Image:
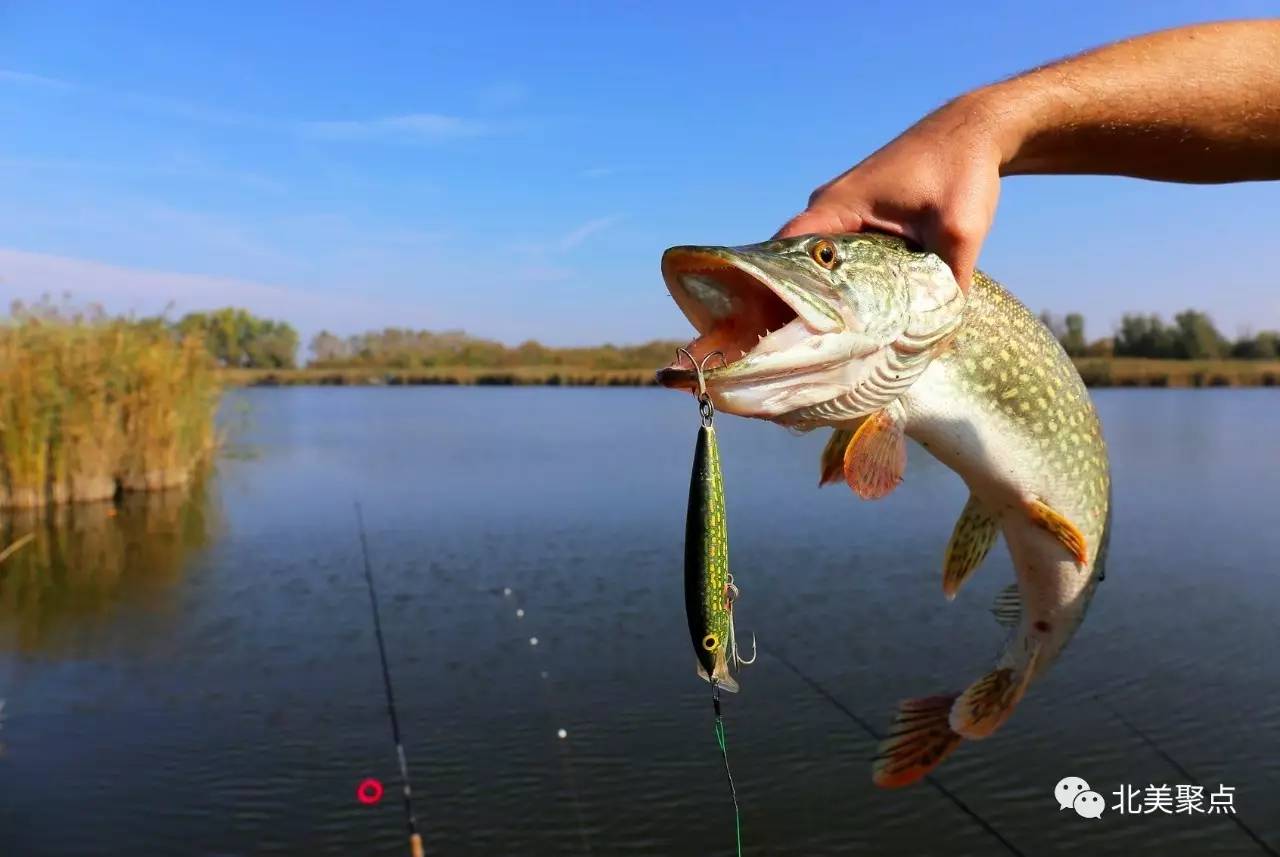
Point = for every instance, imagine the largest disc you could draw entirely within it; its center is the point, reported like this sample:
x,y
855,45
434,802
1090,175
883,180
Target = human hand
x,y
937,185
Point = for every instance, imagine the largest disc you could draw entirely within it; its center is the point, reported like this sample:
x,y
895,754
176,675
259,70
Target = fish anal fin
x,y
987,703
918,741
1007,608
1060,527
876,457
833,456
971,541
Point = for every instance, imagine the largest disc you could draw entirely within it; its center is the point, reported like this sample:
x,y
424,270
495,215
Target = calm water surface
x,y
201,678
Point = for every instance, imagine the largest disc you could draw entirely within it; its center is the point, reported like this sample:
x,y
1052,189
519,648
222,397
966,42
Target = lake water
x,y
201,678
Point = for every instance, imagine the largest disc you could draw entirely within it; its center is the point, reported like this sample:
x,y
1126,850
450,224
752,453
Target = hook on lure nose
x,y
704,400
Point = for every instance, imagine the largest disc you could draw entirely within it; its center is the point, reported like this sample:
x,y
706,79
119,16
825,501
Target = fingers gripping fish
x,y
865,335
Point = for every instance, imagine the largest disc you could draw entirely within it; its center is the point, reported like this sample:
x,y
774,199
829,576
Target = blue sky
x,y
516,170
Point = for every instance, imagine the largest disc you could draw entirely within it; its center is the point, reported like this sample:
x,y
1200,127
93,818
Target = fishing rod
x,y
870,730
415,840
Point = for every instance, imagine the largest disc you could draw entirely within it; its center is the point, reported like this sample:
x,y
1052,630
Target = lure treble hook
x,y
704,399
737,659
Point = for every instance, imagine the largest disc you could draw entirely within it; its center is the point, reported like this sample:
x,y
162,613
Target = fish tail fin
x,y
920,738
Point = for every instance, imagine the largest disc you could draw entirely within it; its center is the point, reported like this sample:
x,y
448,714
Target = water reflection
x,y
85,563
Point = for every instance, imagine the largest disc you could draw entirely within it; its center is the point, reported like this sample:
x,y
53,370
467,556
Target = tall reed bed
x,y
92,405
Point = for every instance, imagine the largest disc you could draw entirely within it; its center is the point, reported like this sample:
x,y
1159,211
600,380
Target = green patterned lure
x,y
709,591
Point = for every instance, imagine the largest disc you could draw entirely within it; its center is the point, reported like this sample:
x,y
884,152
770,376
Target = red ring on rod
x,y
369,792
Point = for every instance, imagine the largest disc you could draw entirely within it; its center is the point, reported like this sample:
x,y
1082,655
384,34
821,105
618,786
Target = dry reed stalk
x,y
92,406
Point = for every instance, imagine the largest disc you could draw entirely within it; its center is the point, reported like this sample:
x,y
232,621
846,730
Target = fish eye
x,y
709,642
824,253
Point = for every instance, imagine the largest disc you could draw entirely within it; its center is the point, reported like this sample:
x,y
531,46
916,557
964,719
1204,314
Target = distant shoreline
x,y
1096,372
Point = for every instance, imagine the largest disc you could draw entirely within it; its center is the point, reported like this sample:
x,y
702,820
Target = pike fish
x,y
876,340
709,591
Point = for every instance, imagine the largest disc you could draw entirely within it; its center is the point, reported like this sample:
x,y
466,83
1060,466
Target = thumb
x,y
958,251
819,220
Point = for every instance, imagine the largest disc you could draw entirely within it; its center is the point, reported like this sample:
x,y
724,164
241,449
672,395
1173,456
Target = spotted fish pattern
x,y
1006,363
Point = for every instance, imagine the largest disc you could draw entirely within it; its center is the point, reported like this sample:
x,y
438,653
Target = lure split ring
x,y
705,408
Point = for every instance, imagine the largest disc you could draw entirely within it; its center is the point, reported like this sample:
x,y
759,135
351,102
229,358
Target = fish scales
x,y
1006,363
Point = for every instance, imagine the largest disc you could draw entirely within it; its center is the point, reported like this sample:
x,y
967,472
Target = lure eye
x,y
709,642
824,253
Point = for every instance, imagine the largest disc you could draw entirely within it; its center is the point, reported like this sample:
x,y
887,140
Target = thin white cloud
x,y
409,127
23,78
346,307
177,166
25,276
417,127
575,237
191,111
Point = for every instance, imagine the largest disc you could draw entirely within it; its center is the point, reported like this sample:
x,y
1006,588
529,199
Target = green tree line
x,y
1191,336
400,348
238,339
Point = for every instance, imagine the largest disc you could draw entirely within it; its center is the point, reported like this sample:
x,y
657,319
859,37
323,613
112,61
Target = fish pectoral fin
x,y
971,541
987,703
1007,608
1060,527
920,738
876,457
833,456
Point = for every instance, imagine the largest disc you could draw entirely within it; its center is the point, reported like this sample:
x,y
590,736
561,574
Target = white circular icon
x,y
1089,805
1066,791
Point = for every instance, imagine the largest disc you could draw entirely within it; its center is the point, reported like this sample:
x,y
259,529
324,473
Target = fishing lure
x,y
709,591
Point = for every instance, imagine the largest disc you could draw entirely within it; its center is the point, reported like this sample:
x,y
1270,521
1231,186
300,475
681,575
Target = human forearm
x,y
1198,104
1195,104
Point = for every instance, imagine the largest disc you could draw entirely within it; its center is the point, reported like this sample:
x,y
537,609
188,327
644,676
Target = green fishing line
x,y
724,754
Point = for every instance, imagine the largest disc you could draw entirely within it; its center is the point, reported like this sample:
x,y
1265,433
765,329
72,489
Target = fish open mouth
x,y
734,309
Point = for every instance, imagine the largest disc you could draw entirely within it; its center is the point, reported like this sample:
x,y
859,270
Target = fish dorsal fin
x,y
876,457
1060,527
1007,608
971,541
833,456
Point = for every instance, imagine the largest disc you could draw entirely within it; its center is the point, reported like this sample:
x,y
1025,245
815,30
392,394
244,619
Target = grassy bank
x,y
91,406
1096,371
537,376
1146,372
